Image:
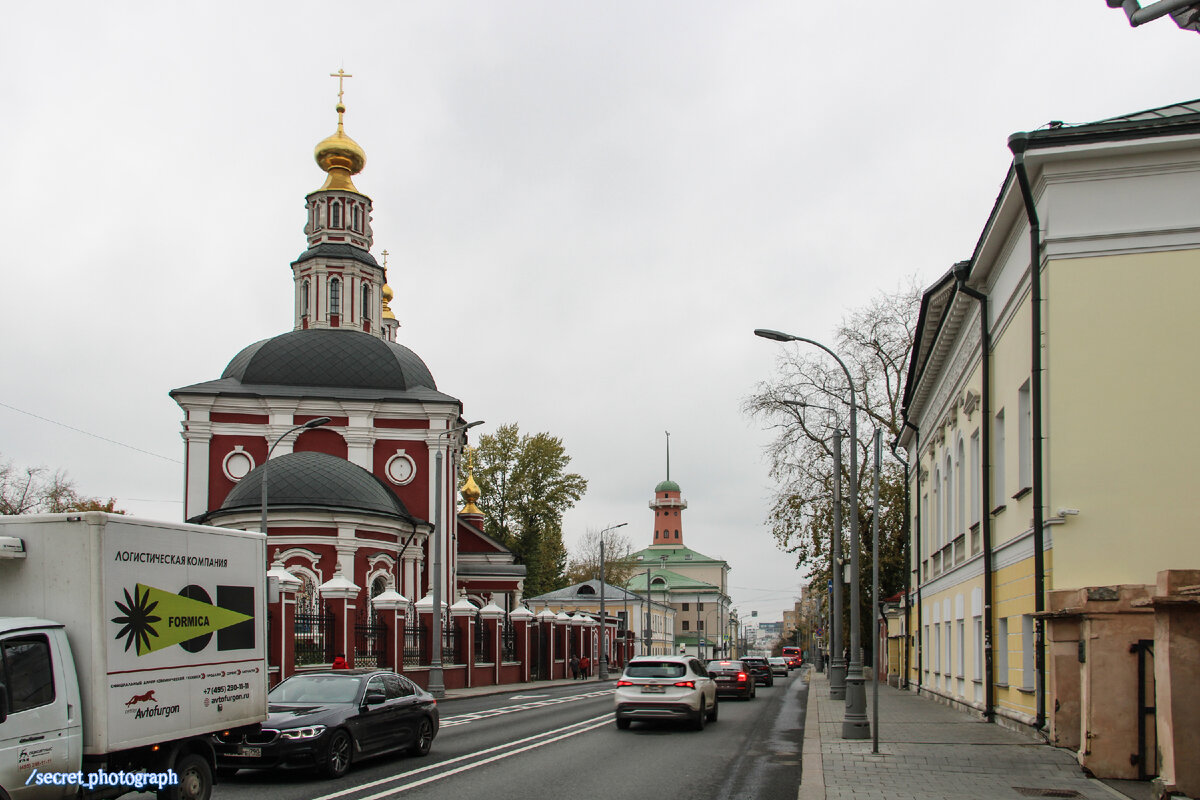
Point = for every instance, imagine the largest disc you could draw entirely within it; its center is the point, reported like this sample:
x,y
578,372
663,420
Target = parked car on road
x,y
779,665
665,688
732,678
327,720
758,666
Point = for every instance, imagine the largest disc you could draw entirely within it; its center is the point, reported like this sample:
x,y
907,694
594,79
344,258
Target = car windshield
x,y
655,669
316,689
724,665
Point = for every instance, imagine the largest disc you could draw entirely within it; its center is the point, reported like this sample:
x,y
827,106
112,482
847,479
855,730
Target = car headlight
x,y
311,732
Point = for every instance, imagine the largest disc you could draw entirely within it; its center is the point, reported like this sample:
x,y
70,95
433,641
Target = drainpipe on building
x,y
961,271
1017,143
907,535
917,538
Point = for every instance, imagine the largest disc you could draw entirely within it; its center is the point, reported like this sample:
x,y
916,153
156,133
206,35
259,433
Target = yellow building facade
x,y
1034,472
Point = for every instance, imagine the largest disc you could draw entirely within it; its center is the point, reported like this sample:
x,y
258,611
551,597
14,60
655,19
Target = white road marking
x,y
527,696
463,719
559,733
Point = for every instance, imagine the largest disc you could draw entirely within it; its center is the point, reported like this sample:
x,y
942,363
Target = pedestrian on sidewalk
x,y
574,667
585,665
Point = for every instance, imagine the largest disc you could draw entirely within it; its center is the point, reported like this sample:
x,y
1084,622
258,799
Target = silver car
x,y
665,688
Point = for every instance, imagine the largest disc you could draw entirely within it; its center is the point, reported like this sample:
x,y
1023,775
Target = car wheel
x,y
337,754
712,713
701,717
424,739
195,780
622,724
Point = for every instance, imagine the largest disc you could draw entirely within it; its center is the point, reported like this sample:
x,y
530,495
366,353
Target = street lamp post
x,y
262,525
855,724
437,684
602,672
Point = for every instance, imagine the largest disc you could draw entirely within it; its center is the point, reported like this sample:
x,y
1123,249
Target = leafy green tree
x,y
524,491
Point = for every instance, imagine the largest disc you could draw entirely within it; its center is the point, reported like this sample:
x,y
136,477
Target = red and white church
x,y
351,504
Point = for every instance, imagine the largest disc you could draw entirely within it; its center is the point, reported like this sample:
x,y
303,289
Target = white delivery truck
x,y
124,644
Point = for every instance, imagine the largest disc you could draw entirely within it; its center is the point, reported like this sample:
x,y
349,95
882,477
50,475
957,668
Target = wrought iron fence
x,y
452,643
313,637
508,641
369,638
414,644
483,641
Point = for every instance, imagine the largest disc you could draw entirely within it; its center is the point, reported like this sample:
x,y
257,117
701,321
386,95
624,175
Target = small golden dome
x,y
387,295
470,493
340,156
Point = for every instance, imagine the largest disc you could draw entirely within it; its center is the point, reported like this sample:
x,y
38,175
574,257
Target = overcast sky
x,y
588,208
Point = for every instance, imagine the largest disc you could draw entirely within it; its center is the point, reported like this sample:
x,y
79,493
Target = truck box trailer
x,y
124,644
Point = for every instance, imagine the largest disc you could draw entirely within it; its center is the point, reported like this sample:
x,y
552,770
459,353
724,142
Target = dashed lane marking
x,y
463,719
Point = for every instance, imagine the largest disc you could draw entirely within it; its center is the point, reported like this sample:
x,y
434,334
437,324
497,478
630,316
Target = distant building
x,y
696,586
629,608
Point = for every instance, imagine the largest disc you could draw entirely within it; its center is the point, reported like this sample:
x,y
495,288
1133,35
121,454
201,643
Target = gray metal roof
x,y
586,591
325,363
337,251
307,479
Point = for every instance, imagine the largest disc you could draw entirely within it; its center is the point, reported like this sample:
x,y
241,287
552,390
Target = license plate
x,y
724,680
653,689
249,752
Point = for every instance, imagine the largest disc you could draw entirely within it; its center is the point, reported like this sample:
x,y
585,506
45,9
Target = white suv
x,y
666,687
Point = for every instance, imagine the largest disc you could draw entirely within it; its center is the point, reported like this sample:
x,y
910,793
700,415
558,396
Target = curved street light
x,y
262,525
602,671
854,724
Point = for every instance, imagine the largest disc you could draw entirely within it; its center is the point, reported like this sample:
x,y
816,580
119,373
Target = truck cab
x,y
40,726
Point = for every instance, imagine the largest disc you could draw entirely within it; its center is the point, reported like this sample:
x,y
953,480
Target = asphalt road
x,y
562,743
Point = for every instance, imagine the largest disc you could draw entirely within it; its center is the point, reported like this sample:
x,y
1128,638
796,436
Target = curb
x,y
812,773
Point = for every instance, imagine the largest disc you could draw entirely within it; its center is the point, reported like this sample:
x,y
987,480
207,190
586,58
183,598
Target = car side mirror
x,y
374,698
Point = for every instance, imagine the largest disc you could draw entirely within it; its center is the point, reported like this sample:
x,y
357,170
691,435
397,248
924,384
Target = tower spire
x,y
668,455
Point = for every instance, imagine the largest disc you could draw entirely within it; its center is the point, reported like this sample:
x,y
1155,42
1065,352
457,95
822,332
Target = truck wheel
x,y
337,755
195,780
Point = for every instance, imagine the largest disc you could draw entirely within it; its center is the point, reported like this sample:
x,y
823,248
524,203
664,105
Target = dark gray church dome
x,y
310,479
325,357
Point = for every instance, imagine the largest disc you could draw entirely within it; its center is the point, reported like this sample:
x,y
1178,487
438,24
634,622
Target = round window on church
x,y
400,469
237,464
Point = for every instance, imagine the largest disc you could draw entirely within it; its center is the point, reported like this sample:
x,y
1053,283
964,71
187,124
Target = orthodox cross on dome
x,y
385,255
341,75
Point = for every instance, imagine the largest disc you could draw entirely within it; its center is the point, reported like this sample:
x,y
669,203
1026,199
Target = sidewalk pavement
x,y
929,751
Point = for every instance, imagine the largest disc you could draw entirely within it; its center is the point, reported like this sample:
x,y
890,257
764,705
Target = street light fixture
x,y
437,684
602,672
262,525
854,724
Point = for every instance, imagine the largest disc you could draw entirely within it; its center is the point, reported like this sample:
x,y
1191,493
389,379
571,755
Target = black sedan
x,y
326,720
732,679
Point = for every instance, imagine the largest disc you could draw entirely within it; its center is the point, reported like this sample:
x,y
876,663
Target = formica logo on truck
x,y
153,619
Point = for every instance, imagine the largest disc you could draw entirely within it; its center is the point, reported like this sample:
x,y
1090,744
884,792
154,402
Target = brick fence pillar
x,y
281,612
390,607
462,615
521,618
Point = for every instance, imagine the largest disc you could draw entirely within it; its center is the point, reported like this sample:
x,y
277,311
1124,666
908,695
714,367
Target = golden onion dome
x,y
470,493
387,295
340,157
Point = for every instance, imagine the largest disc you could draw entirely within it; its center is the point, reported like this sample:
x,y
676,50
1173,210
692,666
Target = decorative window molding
x,y
237,464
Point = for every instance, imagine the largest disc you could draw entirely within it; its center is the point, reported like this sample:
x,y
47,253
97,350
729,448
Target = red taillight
x,y
741,677
624,683
686,684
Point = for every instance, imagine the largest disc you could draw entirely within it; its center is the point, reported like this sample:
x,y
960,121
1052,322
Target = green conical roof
x,y
667,486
